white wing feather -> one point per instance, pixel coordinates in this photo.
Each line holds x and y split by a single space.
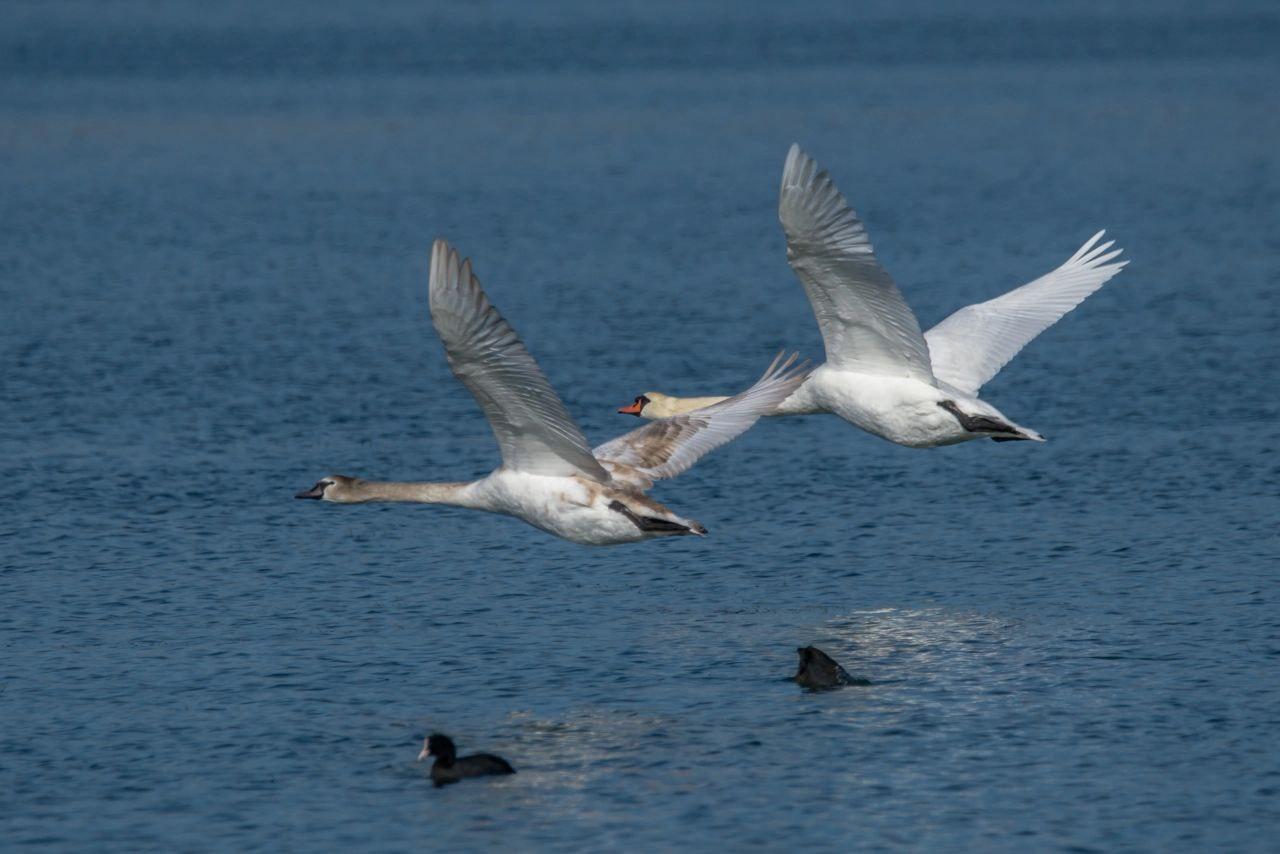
973 344
534 431
866 325
668 446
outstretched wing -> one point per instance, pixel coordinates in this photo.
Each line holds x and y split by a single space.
668 446
535 432
866 325
973 344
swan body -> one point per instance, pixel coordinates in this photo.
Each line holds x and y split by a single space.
549 477
582 510
906 410
909 411
882 373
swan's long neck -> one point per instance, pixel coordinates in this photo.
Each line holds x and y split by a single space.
457 494
670 406
799 403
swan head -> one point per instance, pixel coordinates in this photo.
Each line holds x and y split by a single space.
335 488
645 405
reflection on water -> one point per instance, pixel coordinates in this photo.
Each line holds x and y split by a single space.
587 743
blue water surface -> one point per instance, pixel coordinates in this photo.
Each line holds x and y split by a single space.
216 220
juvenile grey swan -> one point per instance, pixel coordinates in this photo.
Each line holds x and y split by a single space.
549 477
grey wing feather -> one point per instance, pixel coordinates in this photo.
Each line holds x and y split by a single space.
973 344
866 324
668 446
534 430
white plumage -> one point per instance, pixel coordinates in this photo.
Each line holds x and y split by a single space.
970 347
881 373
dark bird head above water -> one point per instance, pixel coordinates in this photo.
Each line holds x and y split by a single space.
439 746
819 671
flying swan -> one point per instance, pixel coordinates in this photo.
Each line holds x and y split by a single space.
549 477
881 373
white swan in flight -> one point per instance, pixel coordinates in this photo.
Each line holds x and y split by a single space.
881 373
549 477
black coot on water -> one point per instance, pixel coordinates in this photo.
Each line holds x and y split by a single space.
450 768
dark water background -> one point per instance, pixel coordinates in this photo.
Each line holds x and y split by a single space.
214 227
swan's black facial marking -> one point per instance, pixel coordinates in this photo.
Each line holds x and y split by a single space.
636 408
316 492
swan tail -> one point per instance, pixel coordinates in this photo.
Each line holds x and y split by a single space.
1023 435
